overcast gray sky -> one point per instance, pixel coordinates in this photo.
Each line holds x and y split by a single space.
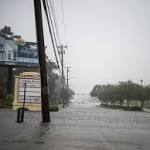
108 40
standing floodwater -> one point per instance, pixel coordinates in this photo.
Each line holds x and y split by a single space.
84 125
84 100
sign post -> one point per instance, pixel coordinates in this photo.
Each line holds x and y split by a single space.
24 100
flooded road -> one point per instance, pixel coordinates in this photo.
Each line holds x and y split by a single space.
81 126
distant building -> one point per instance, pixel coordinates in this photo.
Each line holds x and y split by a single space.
17 53
12 52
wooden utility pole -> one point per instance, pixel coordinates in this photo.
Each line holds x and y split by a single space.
68 75
9 80
42 61
62 52
24 101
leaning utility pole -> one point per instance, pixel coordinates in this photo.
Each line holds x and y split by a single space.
42 61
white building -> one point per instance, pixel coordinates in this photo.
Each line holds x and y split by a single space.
8 50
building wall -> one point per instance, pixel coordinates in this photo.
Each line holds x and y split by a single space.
9 53
7 49
2 49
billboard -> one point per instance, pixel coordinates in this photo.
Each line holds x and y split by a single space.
28 53
18 55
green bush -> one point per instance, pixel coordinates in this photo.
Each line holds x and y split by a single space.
53 108
135 108
6 102
2 93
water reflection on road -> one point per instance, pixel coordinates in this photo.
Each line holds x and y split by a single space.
81 126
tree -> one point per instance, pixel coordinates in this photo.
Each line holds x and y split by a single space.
127 90
144 95
66 94
56 91
95 90
52 77
6 32
105 93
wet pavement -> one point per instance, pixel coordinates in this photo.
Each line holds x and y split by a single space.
81 126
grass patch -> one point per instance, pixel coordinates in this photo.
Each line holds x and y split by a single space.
133 108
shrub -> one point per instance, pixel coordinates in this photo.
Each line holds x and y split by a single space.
53 108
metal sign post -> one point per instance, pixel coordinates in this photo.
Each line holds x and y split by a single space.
24 100
20 111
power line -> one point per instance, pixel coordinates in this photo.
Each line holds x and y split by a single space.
63 17
51 31
55 27
55 21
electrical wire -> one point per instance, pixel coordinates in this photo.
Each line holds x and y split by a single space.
48 17
55 21
54 27
53 30
63 17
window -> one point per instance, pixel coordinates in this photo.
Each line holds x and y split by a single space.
15 56
1 46
9 56
1 56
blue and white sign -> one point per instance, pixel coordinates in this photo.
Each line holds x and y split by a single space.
13 54
28 53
